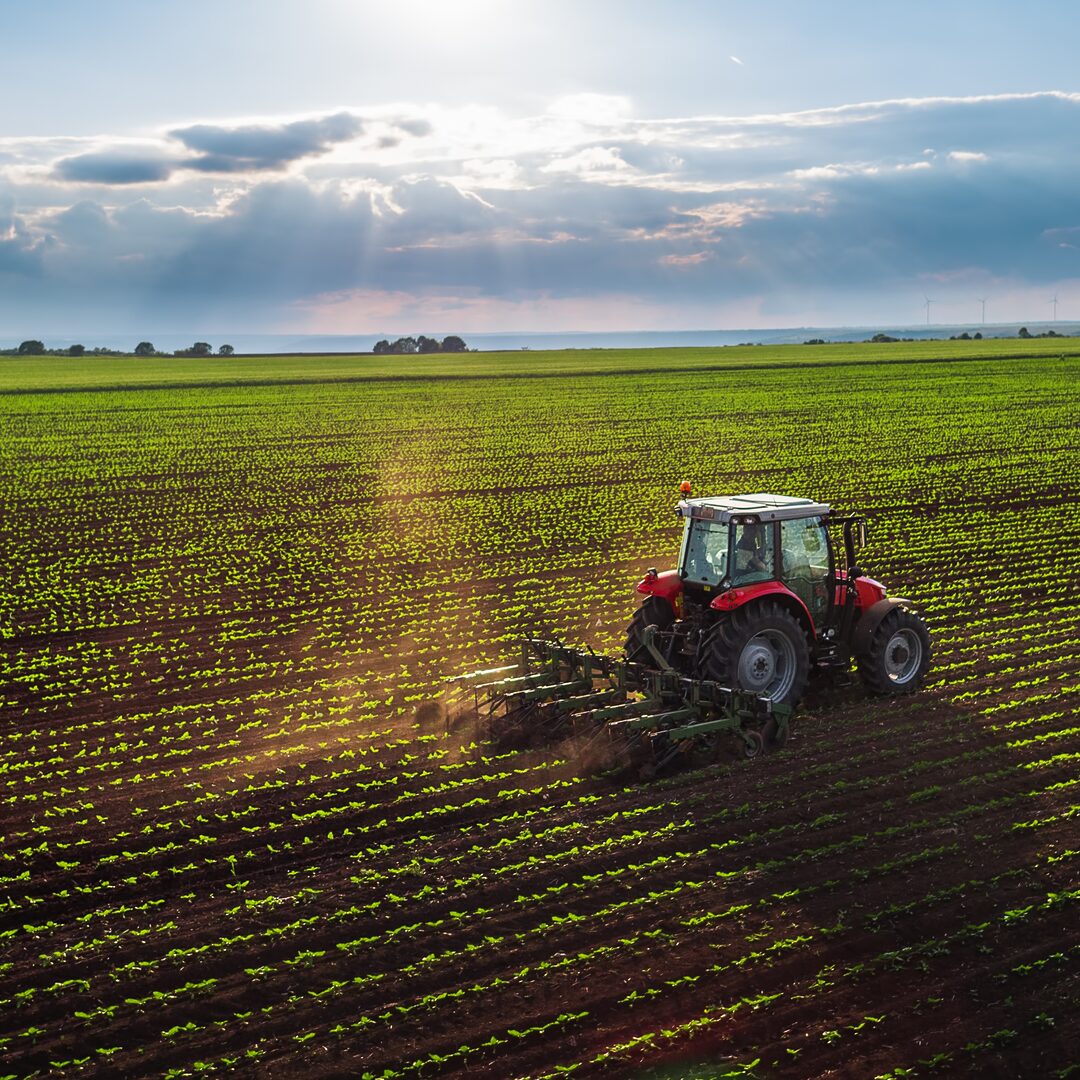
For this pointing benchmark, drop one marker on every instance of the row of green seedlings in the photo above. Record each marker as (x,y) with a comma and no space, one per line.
(970,756)
(867,780)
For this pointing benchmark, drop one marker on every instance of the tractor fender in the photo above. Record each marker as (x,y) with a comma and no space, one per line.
(774,590)
(667,585)
(870,621)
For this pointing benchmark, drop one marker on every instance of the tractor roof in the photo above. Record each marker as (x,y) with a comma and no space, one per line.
(763,507)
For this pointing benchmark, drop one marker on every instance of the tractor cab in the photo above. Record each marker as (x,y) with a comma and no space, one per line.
(736,542)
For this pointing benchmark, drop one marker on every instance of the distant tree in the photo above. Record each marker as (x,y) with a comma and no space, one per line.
(225,350)
(404,346)
(1023,332)
(454,344)
(200,348)
(883,337)
(427,345)
(145,348)
(76,350)
(977,336)
(815,341)
(32,348)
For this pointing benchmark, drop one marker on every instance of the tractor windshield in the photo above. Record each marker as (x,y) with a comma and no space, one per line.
(705,552)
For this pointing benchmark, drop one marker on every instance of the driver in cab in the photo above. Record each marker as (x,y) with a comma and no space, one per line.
(751,554)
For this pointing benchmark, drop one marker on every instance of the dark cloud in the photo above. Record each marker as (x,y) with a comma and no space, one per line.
(280,241)
(114,167)
(20,259)
(85,223)
(253,148)
(219,148)
(417,127)
(20,252)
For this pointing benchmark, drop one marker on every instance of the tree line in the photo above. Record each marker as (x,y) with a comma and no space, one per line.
(403,346)
(32,347)
(421,344)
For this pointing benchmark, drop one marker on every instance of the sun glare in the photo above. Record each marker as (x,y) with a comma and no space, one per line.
(433,22)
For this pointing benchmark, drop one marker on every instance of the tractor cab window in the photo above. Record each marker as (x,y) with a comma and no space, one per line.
(705,545)
(753,553)
(804,563)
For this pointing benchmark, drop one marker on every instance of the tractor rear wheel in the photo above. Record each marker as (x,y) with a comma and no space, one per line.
(761,649)
(898,657)
(654,611)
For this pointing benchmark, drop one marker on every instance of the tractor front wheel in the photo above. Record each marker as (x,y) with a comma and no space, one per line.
(654,611)
(761,649)
(898,657)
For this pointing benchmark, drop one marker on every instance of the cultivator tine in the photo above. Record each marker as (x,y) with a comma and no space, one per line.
(508,727)
(593,749)
(517,682)
(481,674)
(665,753)
(651,721)
(562,714)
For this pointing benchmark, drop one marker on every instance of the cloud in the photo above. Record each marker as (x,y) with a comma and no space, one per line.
(256,147)
(119,166)
(20,252)
(216,148)
(417,127)
(84,224)
(265,221)
(694,259)
(593,161)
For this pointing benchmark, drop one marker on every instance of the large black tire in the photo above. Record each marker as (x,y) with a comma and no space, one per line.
(898,657)
(654,611)
(760,648)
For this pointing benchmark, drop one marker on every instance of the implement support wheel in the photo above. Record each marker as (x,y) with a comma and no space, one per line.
(753,744)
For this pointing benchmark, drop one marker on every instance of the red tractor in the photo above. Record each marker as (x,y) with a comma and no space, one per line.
(765,594)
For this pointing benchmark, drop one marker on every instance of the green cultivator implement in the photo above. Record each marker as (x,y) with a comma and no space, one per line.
(619,712)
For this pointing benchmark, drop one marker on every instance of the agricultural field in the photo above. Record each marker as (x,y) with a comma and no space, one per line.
(245,830)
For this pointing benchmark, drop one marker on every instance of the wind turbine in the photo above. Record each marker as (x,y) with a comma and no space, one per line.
(982,300)
(1053,303)
(928,303)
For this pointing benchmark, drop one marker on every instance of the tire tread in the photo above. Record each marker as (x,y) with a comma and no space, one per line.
(871,663)
(730,633)
(654,611)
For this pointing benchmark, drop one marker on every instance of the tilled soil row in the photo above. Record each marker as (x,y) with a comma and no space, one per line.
(503,957)
(482,894)
(217,898)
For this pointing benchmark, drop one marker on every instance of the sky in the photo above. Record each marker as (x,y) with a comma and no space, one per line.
(432,166)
